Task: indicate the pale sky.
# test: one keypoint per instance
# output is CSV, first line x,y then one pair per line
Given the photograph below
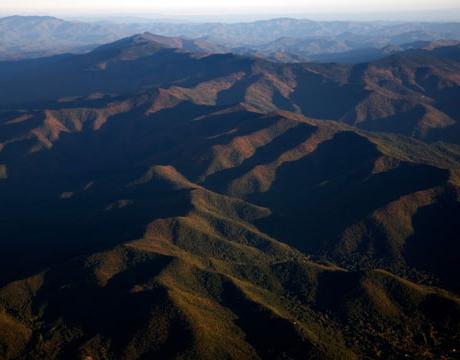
x,y
238,10
196,6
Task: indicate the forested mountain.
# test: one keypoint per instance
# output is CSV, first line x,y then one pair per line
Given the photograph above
x,y
159,200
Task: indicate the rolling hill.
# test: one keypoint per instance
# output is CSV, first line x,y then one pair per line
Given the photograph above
x,y
187,213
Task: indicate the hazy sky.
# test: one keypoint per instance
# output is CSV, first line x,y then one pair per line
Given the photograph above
x,y
238,10
196,6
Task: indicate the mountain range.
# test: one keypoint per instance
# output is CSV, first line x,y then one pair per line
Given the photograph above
x,y
280,40
163,198
412,93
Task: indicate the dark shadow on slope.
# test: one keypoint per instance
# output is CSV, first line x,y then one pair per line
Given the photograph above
x,y
271,336
321,98
35,217
405,123
33,82
315,198
435,245
144,323
235,94
53,229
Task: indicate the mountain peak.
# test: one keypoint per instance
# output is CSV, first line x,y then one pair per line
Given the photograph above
x,y
31,20
31,17
147,43
148,37
143,44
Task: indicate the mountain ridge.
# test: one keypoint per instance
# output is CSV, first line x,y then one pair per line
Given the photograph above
x,y
410,93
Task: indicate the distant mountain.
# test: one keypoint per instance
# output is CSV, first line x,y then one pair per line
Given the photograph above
x,y
333,50
37,36
284,40
265,31
301,40
159,202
